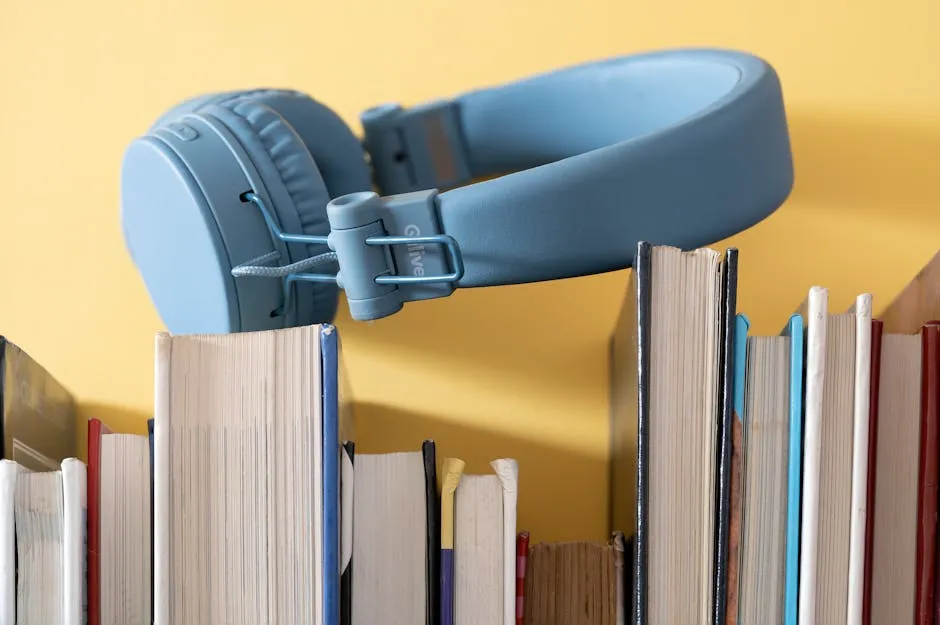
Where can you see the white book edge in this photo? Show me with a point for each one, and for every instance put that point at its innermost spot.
(75, 503)
(863, 318)
(161, 502)
(817, 310)
(508, 471)
(8, 472)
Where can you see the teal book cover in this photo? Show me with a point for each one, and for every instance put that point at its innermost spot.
(794, 331)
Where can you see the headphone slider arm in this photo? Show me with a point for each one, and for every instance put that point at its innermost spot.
(416, 148)
(390, 250)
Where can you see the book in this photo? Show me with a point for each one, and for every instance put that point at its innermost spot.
(768, 398)
(672, 353)
(894, 514)
(49, 518)
(391, 532)
(575, 583)
(119, 527)
(38, 415)
(238, 478)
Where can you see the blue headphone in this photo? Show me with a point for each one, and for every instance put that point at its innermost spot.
(251, 210)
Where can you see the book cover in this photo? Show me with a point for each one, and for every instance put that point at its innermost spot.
(927, 475)
(726, 420)
(452, 471)
(738, 427)
(433, 511)
(877, 330)
(815, 310)
(96, 429)
(859, 493)
(38, 416)
(522, 556)
(794, 330)
(642, 270)
(332, 499)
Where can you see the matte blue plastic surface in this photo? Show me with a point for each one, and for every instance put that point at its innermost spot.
(679, 147)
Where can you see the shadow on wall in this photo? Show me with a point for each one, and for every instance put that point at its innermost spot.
(558, 489)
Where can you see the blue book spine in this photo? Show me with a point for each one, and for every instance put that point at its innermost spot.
(150, 442)
(329, 349)
(794, 330)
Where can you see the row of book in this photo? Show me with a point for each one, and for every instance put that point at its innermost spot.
(248, 503)
(786, 478)
(789, 478)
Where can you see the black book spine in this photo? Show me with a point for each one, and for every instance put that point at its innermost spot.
(643, 276)
(726, 415)
(429, 452)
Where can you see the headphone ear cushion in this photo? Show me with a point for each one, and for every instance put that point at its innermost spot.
(338, 152)
(292, 181)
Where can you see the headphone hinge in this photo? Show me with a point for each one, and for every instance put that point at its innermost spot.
(417, 148)
(390, 250)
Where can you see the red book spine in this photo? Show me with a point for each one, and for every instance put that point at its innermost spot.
(522, 557)
(927, 475)
(93, 515)
(877, 328)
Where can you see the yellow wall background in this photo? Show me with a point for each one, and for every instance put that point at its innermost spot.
(510, 371)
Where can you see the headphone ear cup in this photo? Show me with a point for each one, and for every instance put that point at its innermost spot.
(294, 185)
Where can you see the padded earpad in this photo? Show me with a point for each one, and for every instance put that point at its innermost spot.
(338, 153)
(292, 181)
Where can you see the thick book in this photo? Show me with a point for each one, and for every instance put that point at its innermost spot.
(897, 455)
(38, 415)
(394, 528)
(119, 527)
(49, 515)
(575, 582)
(238, 478)
(679, 475)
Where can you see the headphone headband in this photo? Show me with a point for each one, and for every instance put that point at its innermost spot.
(681, 147)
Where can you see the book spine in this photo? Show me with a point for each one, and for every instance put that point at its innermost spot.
(725, 442)
(8, 474)
(74, 540)
(96, 429)
(859, 496)
(161, 487)
(433, 546)
(522, 559)
(877, 329)
(741, 327)
(643, 271)
(330, 540)
(817, 314)
(508, 471)
(453, 470)
(794, 465)
(927, 475)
